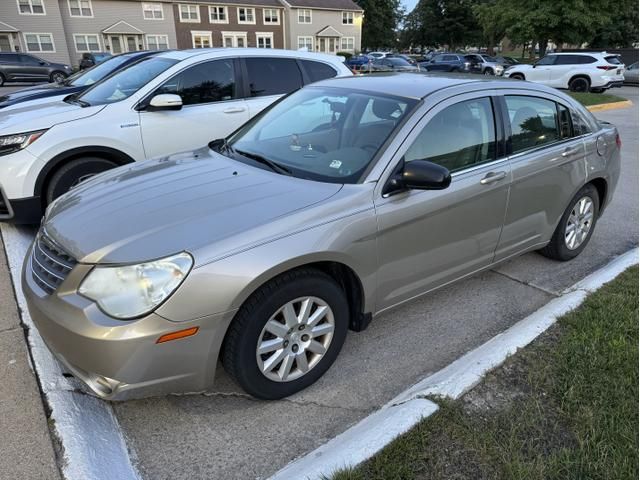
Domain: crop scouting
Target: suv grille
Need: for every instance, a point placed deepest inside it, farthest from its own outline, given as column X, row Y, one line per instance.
column 50, row 265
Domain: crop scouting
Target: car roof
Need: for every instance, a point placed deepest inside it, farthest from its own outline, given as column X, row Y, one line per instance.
column 245, row 52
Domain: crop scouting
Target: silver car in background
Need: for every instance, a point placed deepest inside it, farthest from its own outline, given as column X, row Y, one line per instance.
column 339, row 202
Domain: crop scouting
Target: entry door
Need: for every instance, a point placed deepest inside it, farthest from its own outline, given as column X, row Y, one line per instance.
column 5, row 43
column 429, row 238
column 132, row 44
column 116, row 44
column 323, row 45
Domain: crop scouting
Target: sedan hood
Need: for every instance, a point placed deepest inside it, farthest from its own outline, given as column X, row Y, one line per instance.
column 39, row 116
column 37, row 91
column 157, row 208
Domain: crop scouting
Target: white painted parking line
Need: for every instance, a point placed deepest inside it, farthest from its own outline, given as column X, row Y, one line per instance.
column 93, row 445
column 363, row 440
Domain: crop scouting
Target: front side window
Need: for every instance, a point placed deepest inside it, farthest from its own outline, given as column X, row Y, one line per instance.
column 39, row 42
column 458, row 137
column 206, row 82
column 189, row 13
column 271, row 16
column 272, row 76
column 246, row 15
column 80, row 8
column 548, row 60
column 86, row 43
column 31, row 7
column 152, row 11
column 534, row 122
column 304, row 16
column 347, row 18
column 126, row 82
column 324, row 134
column 157, row 42
column 218, row 15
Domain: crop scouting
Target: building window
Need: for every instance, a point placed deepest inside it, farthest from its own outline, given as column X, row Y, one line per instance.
column 31, row 7
column 189, row 13
column 264, row 40
column 201, row 39
column 218, row 15
column 347, row 44
column 304, row 16
column 39, row 42
column 152, row 11
column 271, row 16
column 246, row 15
column 86, row 43
column 347, row 18
column 157, row 42
column 80, row 8
column 234, row 39
column 305, row 42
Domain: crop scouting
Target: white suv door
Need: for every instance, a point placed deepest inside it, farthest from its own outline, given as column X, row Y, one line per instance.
column 541, row 70
column 211, row 109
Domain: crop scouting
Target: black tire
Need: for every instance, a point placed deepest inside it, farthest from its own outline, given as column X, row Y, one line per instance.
column 557, row 248
column 239, row 350
column 73, row 172
column 517, row 76
column 1, row 80
column 57, row 77
column 488, row 71
column 579, row 84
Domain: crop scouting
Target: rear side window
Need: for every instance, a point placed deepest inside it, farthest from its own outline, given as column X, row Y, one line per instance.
column 450, row 58
column 273, row 76
column 29, row 60
column 533, row 122
column 203, row 83
column 580, row 125
column 317, row 71
column 9, row 58
column 460, row 136
column 574, row 59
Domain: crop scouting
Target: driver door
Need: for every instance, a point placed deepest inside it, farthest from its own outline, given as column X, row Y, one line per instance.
column 541, row 71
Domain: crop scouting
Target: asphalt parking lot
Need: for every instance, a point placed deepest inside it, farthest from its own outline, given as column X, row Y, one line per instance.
column 226, row 434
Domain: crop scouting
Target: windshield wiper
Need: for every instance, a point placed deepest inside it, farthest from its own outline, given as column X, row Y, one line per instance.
column 73, row 98
column 276, row 167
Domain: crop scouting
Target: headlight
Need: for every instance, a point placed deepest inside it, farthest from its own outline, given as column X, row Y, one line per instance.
column 133, row 290
column 13, row 143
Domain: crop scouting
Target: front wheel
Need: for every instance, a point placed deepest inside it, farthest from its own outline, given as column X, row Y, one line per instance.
column 488, row 71
column 73, row 173
column 517, row 76
column 287, row 334
column 57, row 77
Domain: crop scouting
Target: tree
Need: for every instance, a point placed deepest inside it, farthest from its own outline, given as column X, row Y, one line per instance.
column 380, row 22
column 493, row 22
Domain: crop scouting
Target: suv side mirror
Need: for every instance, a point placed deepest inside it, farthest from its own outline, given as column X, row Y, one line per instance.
column 419, row 175
column 165, row 101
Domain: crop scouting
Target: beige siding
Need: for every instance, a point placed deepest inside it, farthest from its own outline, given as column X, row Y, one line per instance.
column 49, row 23
column 319, row 20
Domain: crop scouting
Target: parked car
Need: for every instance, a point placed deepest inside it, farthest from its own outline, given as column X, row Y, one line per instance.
column 377, row 55
column 447, row 62
column 631, row 74
column 409, row 59
column 23, row 67
column 484, row 64
column 92, row 59
column 579, row 72
column 507, row 61
column 76, row 83
column 160, row 105
column 358, row 62
column 315, row 217
column 394, row 64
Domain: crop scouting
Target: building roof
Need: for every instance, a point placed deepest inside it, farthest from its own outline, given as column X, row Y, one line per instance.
column 326, row 4
column 328, row 31
column 258, row 3
column 5, row 27
column 123, row 28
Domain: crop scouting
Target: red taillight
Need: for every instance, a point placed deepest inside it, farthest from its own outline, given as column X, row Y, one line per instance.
column 606, row 67
column 618, row 141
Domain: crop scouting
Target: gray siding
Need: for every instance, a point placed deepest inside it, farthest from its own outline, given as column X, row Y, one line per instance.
column 319, row 20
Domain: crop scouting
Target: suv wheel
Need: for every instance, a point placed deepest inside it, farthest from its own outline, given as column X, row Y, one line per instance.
column 580, row 84
column 517, row 76
column 73, row 173
column 488, row 71
column 57, row 77
column 287, row 334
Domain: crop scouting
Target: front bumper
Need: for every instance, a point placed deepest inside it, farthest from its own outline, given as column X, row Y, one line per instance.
column 20, row 211
column 118, row 360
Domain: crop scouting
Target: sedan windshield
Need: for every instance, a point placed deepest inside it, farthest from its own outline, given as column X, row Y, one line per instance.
column 126, row 82
column 321, row 133
column 94, row 74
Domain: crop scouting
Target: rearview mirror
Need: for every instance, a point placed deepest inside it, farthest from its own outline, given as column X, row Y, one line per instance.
column 165, row 101
column 419, row 175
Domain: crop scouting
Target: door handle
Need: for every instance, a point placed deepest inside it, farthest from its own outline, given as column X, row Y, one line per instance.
column 570, row 151
column 493, row 177
column 234, row 110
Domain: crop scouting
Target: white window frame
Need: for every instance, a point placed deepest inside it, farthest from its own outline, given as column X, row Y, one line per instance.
column 44, row 9
column 189, row 20
column 201, row 33
column 302, row 15
column 157, row 36
column 264, row 16
column 348, row 15
column 86, row 35
column 246, row 10
column 234, row 38
column 347, row 49
column 264, row 35
column 153, row 8
column 37, row 34
column 215, row 8
column 308, row 45
column 80, row 7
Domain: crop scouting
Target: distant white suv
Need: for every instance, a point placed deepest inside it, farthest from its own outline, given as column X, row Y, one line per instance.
column 168, row 103
column 579, row 72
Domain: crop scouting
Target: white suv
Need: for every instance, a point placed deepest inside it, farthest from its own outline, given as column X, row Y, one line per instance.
column 579, row 72
column 168, row 103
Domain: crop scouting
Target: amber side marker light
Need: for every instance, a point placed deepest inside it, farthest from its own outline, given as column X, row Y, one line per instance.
column 187, row 332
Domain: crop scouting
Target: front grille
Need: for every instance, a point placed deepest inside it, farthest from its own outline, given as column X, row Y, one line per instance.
column 50, row 265
column 5, row 209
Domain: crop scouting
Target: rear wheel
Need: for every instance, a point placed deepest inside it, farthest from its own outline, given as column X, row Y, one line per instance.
column 73, row 173
column 57, row 77
column 517, row 76
column 580, row 84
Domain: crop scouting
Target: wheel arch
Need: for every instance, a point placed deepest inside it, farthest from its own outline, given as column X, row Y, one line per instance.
column 579, row 75
column 603, row 189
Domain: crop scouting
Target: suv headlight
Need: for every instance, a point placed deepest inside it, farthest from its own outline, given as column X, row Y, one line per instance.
column 13, row 143
column 130, row 291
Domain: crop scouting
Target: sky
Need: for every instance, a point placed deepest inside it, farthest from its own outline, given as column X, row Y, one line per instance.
column 409, row 4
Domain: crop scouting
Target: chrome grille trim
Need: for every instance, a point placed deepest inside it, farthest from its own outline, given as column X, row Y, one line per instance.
column 50, row 264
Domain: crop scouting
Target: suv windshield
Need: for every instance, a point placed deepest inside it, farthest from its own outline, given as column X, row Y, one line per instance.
column 126, row 82
column 321, row 133
column 94, row 74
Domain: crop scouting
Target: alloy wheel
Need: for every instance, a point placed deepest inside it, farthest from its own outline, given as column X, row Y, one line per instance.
column 579, row 223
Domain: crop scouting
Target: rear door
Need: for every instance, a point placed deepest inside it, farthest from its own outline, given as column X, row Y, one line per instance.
column 33, row 68
column 211, row 109
column 11, row 65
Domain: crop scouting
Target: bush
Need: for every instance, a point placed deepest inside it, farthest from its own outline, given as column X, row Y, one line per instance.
column 346, row 55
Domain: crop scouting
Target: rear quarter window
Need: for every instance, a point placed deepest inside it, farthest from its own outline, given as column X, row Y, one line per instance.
column 317, row 71
column 614, row 60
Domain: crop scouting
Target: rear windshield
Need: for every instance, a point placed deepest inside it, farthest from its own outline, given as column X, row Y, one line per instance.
column 613, row 59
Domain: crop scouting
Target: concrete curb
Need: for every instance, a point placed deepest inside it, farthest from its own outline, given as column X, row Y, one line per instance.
column 610, row 106
column 374, row 432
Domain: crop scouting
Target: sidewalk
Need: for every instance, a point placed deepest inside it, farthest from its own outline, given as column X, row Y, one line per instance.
column 26, row 450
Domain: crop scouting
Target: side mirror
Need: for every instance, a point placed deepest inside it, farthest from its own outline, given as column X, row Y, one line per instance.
column 419, row 175
column 165, row 101
column 42, row 62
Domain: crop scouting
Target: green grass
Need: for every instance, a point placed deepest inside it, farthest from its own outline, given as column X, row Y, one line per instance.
column 588, row 99
column 565, row 407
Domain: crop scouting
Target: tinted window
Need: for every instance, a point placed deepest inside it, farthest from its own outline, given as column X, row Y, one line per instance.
column 615, row 60
column 317, row 71
column 29, row 60
column 439, row 58
column 574, row 59
column 92, row 75
column 458, row 137
column 273, row 76
column 580, row 126
column 450, row 58
column 203, row 83
column 548, row 60
column 9, row 58
column 565, row 122
column 533, row 122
